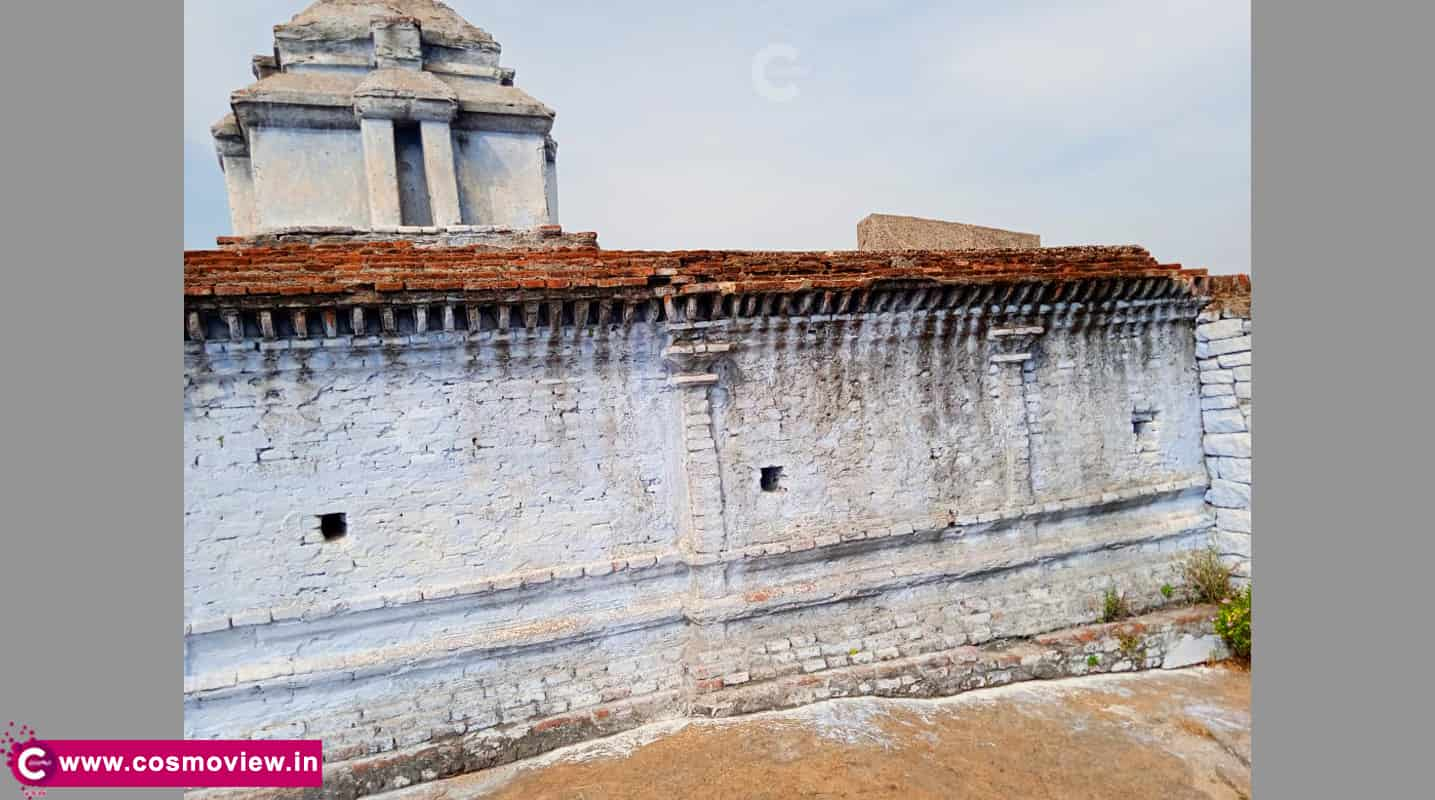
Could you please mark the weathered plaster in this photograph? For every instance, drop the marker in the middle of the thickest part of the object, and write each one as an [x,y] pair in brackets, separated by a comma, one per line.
[502,178]
[317,176]
[558,513]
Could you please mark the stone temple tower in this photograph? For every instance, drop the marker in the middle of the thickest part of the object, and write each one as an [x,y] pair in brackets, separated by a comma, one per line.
[374,114]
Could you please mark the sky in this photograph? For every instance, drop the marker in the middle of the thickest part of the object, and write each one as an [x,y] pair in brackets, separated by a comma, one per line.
[777,126]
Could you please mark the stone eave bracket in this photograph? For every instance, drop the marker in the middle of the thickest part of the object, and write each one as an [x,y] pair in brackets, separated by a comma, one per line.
[1014,344]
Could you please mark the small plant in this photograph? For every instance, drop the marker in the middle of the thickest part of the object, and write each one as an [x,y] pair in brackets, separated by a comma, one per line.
[1167,590]
[1132,648]
[1092,660]
[854,651]
[1114,606]
[1233,623]
[1207,579]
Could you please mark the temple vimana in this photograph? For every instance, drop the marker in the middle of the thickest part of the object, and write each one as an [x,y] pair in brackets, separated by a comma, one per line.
[462,487]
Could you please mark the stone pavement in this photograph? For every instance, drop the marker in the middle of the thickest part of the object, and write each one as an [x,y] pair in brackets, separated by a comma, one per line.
[1167,734]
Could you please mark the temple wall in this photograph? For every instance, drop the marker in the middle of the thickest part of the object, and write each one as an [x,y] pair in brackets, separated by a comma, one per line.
[577,512]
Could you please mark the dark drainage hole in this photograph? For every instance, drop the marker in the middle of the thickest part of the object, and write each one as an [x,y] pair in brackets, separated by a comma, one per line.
[771,477]
[333,526]
[1141,421]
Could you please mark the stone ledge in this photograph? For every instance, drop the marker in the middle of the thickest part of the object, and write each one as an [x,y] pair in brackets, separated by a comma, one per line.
[676,558]
[1169,638]
[1059,654]
[861,583]
[290,674]
[482,237]
[293,673]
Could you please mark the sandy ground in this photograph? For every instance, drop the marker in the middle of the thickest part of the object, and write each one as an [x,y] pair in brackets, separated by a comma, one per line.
[1179,734]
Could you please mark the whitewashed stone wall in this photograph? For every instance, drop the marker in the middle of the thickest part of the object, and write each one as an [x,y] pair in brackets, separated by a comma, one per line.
[1223,350]
[883,422]
[450,464]
[548,524]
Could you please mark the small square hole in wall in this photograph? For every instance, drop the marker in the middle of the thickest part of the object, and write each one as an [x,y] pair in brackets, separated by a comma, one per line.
[1141,421]
[333,526]
[771,479]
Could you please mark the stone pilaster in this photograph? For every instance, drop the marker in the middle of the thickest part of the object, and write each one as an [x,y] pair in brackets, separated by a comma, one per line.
[690,373]
[381,170]
[233,151]
[700,458]
[1013,373]
[440,171]
[239,185]
[550,178]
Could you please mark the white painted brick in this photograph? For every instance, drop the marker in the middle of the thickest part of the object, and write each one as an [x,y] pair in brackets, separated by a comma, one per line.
[1235,520]
[1218,376]
[1233,469]
[255,616]
[1223,421]
[1235,445]
[1224,346]
[208,625]
[1229,494]
[1235,544]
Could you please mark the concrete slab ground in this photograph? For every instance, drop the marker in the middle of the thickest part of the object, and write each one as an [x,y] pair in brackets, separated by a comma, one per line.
[1167,734]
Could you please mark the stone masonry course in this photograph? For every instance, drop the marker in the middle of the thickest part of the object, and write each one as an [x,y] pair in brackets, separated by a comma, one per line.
[489,500]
